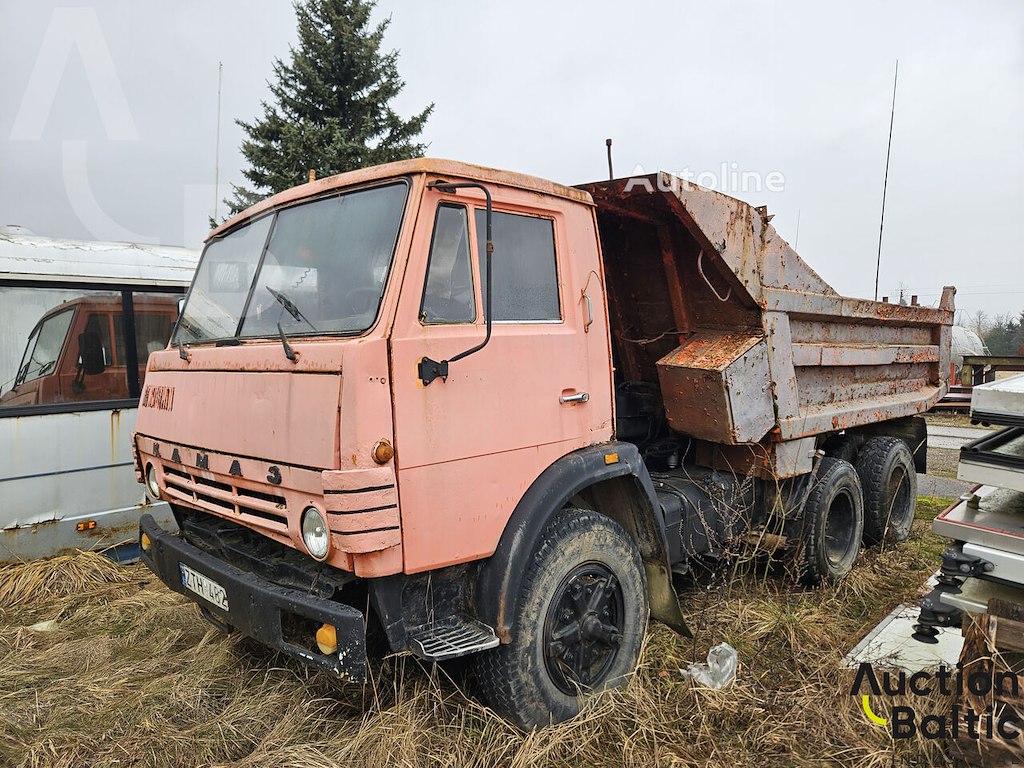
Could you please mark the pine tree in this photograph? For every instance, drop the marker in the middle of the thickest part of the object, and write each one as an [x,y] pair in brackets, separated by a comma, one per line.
[331,104]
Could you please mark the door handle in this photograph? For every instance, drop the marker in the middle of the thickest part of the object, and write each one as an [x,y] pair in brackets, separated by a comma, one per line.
[579,397]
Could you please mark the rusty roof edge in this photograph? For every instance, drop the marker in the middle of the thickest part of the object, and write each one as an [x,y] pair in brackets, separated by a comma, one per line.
[415,166]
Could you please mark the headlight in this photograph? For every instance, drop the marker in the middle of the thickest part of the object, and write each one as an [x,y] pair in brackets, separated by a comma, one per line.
[152,486]
[315,535]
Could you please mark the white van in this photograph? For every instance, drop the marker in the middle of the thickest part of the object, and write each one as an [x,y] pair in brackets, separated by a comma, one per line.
[77,323]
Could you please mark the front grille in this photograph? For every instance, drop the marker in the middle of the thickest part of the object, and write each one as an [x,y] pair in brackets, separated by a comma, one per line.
[258,554]
[225,498]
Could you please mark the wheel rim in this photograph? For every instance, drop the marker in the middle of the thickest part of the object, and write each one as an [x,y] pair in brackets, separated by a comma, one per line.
[899,498]
[839,529]
[583,628]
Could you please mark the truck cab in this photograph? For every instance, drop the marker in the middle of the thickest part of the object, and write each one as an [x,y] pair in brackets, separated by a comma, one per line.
[360,284]
[413,395]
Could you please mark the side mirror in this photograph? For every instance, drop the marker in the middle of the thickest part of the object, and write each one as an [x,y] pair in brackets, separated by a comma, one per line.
[90,352]
[181,305]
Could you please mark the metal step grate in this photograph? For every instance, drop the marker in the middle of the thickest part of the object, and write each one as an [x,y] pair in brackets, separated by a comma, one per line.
[451,637]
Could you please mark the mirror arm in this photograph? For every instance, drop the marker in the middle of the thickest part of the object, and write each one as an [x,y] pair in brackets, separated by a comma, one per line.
[431,369]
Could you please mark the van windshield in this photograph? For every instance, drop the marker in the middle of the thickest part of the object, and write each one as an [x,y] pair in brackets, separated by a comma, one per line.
[318,267]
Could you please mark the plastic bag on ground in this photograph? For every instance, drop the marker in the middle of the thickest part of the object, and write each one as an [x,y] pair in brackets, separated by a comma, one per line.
[720,669]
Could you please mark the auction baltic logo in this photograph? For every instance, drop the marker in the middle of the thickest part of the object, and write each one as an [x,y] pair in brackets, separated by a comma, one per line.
[961,720]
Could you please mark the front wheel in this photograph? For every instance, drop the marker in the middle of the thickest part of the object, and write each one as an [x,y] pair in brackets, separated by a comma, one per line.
[580,620]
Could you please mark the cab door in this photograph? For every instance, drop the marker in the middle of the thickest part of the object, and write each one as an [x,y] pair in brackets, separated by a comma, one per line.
[468,446]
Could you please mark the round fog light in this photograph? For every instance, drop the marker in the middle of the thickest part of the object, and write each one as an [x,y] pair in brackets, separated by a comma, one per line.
[151,484]
[315,535]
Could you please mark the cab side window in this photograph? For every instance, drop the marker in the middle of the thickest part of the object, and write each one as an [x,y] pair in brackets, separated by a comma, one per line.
[448,290]
[524,279]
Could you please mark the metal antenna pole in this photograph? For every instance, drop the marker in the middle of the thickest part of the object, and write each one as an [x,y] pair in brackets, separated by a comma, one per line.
[216,151]
[608,143]
[885,183]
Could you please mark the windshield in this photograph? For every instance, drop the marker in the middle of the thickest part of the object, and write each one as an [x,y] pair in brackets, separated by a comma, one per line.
[44,346]
[319,267]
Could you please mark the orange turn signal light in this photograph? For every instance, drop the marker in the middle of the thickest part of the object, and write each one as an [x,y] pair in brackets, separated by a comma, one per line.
[145,542]
[327,639]
[383,452]
[88,525]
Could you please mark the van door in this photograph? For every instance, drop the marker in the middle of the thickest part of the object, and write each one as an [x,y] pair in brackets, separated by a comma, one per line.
[468,447]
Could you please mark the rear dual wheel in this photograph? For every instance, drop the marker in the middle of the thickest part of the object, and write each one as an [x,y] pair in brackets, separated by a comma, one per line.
[886,469]
[832,523]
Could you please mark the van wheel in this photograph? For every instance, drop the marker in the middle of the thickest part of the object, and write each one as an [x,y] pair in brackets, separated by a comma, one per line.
[887,473]
[580,620]
[833,523]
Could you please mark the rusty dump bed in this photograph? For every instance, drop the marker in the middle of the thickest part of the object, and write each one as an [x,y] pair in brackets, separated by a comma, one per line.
[749,346]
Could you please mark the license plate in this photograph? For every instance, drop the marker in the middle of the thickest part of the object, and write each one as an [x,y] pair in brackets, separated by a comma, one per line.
[204,586]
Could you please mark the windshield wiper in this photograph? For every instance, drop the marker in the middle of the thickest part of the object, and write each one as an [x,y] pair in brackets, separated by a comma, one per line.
[288,351]
[289,305]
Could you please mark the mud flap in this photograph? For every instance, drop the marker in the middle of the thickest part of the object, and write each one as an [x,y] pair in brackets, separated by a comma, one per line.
[663,598]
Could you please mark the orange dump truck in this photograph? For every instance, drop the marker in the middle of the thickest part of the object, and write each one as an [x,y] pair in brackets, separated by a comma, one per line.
[490,415]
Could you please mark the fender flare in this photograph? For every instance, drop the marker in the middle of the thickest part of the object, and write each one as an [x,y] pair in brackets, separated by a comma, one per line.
[501,575]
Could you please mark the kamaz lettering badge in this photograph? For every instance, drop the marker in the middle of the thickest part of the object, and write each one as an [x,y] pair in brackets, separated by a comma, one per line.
[159,397]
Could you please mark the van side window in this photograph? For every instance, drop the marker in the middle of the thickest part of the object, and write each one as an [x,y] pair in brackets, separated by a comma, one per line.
[448,290]
[154,321]
[524,279]
[71,344]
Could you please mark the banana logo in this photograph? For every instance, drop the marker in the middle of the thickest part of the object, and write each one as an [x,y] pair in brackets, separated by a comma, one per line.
[871,715]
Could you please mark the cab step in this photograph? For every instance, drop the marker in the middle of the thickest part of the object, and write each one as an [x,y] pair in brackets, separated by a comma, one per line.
[451,637]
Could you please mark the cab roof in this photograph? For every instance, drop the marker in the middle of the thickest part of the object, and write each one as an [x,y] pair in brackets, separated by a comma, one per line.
[420,165]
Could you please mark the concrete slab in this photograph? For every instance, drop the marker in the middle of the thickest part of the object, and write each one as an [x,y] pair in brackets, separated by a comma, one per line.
[890,644]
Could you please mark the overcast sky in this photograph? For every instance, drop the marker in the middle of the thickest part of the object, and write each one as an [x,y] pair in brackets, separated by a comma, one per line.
[108,125]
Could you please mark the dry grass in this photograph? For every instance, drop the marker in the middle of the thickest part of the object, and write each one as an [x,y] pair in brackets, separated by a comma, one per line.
[132,676]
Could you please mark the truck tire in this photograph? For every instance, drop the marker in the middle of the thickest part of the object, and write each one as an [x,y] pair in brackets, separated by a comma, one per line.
[886,469]
[832,523]
[580,621]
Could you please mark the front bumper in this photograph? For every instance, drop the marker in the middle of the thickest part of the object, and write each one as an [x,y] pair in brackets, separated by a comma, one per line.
[257,607]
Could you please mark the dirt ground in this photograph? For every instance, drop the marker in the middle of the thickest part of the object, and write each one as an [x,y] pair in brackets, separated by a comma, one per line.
[100,665]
